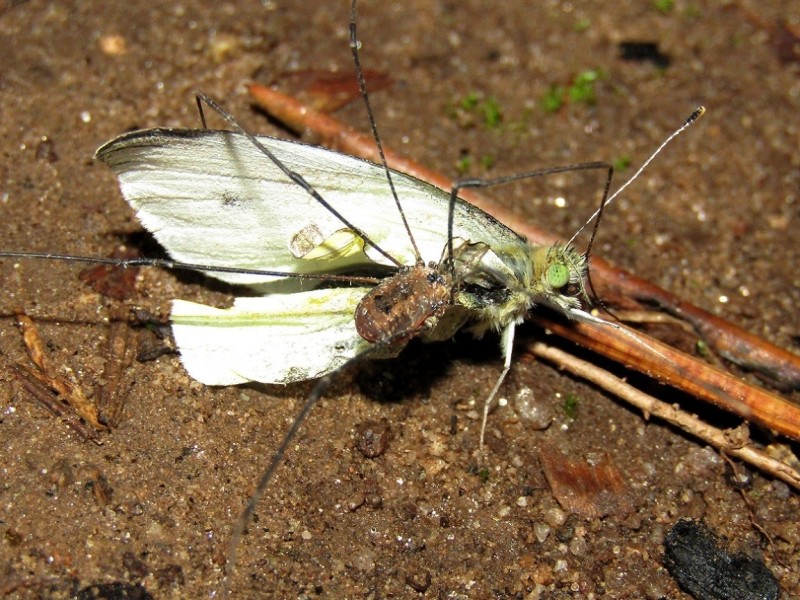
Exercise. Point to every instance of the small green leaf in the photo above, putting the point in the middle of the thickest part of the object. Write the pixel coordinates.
(664, 6)
(470, 101)
(583, 88)
(621, 163)
(492, 113)
(582, 24)
(553, 99)
(571, 406)
(464, 164)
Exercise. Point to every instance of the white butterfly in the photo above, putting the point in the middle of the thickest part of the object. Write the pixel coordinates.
(215, 198)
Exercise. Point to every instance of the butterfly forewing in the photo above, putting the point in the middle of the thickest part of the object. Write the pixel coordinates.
(212, 197)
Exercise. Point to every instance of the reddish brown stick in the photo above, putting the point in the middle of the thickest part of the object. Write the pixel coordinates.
(691, 375)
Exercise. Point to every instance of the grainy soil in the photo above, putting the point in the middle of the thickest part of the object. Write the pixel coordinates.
(713, 220)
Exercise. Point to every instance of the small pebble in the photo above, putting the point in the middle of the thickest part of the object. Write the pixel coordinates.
(541, 530)
(537, 415)
(555, 517)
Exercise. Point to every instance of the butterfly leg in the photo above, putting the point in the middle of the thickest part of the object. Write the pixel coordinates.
(507, 344)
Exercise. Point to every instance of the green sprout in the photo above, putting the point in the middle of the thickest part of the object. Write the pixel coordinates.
(571, 406)
(621, 163)
(483, 474)
(492, 113)
(463, 165)
(470, 101)
(703, 350)
(692, 12)
(477, 108)
(583, 88)
(582, 24)
(664, 6)
(466, 162)
(582, 91)
(553, 99)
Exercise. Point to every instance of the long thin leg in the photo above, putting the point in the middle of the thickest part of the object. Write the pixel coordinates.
(507, 344)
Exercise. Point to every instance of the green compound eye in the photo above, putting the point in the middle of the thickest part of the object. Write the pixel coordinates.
(557, 276)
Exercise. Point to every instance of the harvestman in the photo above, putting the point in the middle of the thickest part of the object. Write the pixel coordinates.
(420, 298)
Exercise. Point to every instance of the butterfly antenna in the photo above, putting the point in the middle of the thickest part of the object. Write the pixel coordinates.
(294, 176)
(362, 88)
(698, 112)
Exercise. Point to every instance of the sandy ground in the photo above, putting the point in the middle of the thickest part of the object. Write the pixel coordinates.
(714, 220)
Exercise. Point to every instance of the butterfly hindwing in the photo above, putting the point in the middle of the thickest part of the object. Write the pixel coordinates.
(277, 338)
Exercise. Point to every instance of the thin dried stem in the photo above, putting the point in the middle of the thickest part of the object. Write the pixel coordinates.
(651, 406)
